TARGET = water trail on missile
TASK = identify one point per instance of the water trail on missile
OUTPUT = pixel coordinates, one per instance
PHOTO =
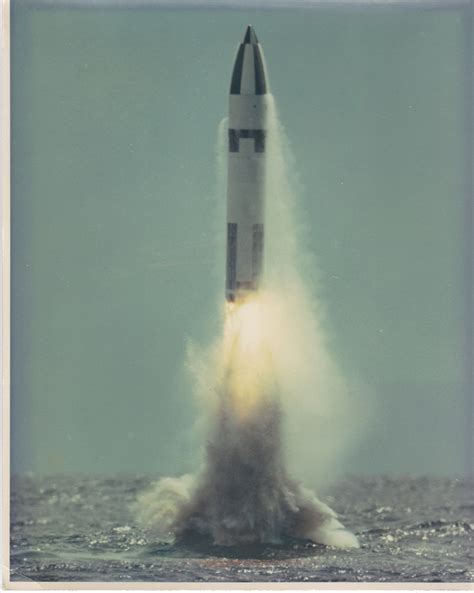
(273, 399)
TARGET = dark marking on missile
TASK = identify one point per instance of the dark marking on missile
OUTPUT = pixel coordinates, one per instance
(233, 141)
(257, 252)
(237, 73)
(231, 255)
(257, 135)
(260, 82)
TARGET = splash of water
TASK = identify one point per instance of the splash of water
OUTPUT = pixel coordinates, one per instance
(274, 397)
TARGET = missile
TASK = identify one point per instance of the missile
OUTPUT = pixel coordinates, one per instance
(246, 170)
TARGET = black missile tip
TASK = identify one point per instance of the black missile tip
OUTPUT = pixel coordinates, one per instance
(250, 36)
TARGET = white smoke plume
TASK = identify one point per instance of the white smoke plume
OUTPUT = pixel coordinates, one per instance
(276, 405)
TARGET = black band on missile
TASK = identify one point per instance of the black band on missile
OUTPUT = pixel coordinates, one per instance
(260, 82)
(257, 135)
(233, 140)
(231, 269)
(237, 73)
(257, 253)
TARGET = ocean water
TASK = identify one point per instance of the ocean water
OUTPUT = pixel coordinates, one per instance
(83, 528)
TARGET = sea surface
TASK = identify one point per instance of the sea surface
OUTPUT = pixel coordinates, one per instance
(81, 528)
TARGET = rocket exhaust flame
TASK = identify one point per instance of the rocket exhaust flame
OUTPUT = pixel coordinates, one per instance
(269, 354)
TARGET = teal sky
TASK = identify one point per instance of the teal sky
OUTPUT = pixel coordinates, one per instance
(114, 122)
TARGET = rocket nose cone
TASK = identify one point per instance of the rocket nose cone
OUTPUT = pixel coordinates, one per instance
(250, 36)
(248, 76)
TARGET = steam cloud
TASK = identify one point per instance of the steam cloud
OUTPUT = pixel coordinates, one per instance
(273, 399)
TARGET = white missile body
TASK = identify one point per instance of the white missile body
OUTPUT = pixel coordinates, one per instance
(246, 170)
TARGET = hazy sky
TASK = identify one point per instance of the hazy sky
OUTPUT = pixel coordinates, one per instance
(114, 123)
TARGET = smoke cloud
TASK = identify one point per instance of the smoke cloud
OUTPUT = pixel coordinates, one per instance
(276, 408)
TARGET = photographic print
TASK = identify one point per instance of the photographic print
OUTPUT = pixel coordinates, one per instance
(241, 292)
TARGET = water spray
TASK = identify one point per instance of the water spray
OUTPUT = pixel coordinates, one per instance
(271, 352)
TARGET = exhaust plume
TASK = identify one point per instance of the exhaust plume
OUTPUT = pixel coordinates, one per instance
(272, 397)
